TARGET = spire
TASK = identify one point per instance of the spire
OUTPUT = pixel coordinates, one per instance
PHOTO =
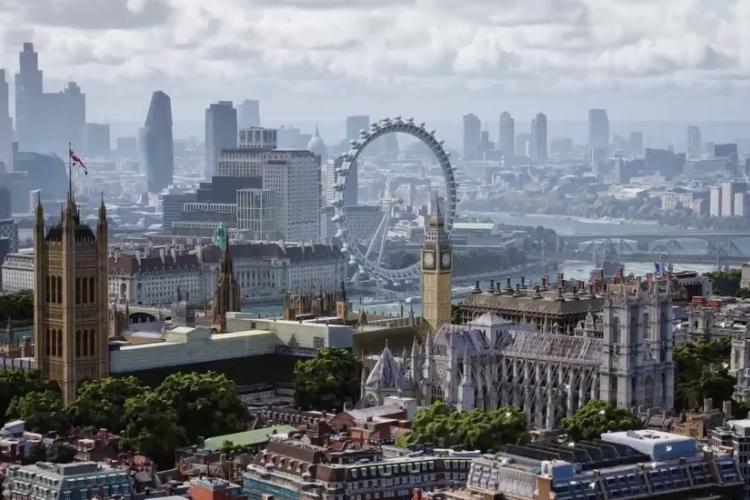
(466, 377)
(437, 215)
(317, 134)
(102, 210)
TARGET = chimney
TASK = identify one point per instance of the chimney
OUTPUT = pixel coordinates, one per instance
(708, 405)
(163, 255)
(726, 408)
(492, 286)
(523, 281)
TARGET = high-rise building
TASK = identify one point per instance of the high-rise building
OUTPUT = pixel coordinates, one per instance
(221, 133)
(6, 203)
(157, 148)
(636, 144)
(318, 146)
(729, 190)
(46, 122)
(472, 137)
(70, 299)
(523, 141)
(715, 202)
(538, 140)
(437, 267)
(354, 124)
(6, 124)
(28, 97)
(256, 214)
(506, 134)
(598, 129)
(96, 139)
(598, 135)
(249, 114)
(295, 177)
(694, 143)
(127, 147)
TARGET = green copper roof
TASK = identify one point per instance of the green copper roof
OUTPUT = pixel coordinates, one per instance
(247, 438)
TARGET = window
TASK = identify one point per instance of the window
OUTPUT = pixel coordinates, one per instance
(78, 290)
(92, 287)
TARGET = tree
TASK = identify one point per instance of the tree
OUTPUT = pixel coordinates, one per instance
(42, 411)
(207, 404)
(18, 306)
(725, 282)
(326, 381)
(38, 453)
(743, 293)
(61, 453)
(152, 427)
(475, 429)
(701, 371)
(99, 402)
(597, 417)
(15, 383)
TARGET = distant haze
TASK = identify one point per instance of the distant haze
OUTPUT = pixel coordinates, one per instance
(319, 60)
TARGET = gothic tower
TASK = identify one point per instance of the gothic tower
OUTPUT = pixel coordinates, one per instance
(636, 369)
(227, 292)
(437, 262)
(70, 299)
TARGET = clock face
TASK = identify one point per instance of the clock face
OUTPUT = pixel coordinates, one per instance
(428, 260)
(445, 260)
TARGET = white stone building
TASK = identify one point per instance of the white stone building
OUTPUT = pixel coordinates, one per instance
(489, 362)
(18, 272)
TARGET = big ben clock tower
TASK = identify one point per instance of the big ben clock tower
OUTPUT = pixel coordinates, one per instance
(437, 265)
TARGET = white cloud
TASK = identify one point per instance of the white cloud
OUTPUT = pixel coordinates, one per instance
(543, 46)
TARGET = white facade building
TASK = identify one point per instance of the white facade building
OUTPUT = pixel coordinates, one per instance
(295, 177)
(256, 214)
(18, 272)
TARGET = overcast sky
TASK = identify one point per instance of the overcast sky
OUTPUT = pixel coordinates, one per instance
(433, 59)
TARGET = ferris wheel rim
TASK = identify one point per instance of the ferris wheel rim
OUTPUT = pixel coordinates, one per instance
(378, 129)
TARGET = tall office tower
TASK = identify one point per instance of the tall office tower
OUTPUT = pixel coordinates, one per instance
(598, 135)
(256, 214)
(636, 144)
(506, 134)
(67, 117)
(693, 141)
(538, 141)
(28, 98)
(221, 133)
(6, 124)
(522, 144)
(96, 140)
(249, 114)
(472, 138)
(729, 190)
(295, 177)
(70, 299)
(437, 270)
(157, 148)
(354, 124)
(715, 202)
(6, 203)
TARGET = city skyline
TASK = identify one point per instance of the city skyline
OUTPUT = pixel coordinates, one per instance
(559, 57)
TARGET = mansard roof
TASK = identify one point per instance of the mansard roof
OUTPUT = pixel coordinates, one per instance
(548, 304)
(387, 374)
(272, 250)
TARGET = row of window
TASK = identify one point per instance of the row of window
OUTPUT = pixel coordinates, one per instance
(85, 343)
(85, 290)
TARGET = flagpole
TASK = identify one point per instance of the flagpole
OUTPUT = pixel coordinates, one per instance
(70, 172)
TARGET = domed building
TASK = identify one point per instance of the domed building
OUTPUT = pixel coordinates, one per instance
(317, 146)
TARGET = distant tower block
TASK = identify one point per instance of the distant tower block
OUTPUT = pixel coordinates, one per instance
(70, 299)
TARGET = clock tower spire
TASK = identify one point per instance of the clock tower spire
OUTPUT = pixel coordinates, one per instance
(437, 266)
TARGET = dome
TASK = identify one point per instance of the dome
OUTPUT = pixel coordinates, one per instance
(317, 146)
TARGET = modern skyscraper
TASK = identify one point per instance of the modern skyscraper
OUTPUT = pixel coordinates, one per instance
(598, 129)
(437, 258)
(96, 140)
(46, 122)
(598, 135)
(354, 124)
(249, 114)
(472, 138)
(157, 148)
(506, 134)
(693, 141)
(28, 97)
(6, 124)
(221, 133)
(256, 214)
(70, 299)
(636, 144)
(295, 177)
(538, 141)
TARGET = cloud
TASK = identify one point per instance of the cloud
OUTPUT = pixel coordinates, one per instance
(543, 46)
